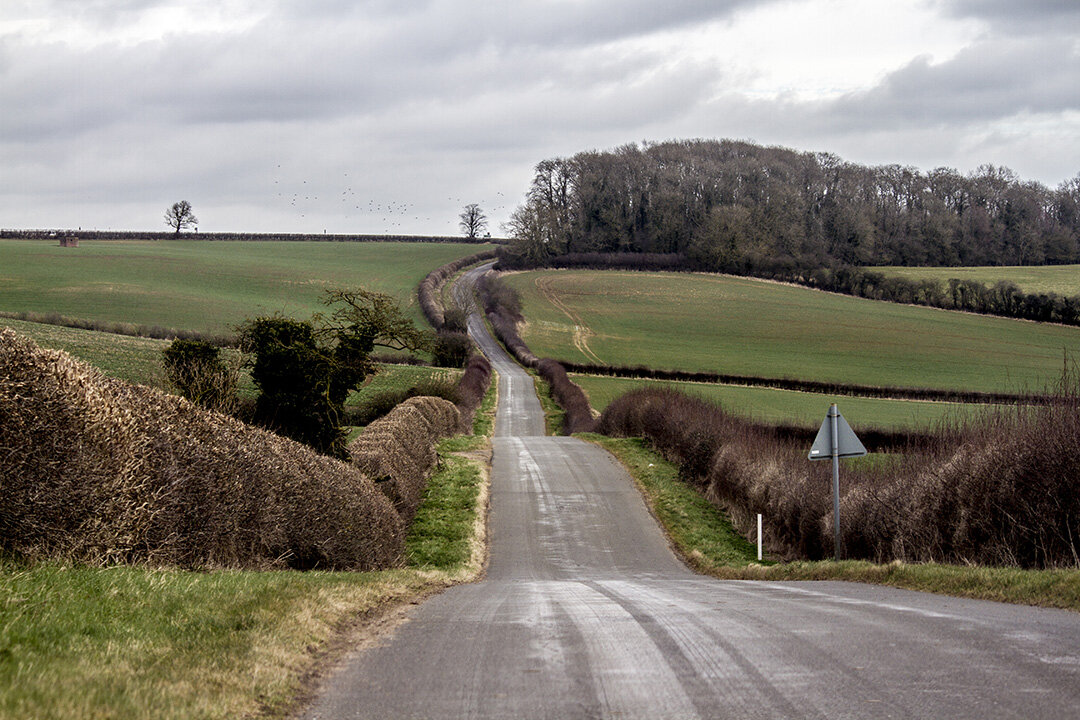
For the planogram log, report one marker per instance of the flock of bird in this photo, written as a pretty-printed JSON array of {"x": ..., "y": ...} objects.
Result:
[{"x": 394, "y": 216}]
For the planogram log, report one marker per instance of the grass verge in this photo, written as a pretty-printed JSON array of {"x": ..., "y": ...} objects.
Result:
[
  {"x": 173, "y": 644},
  {"x": 554, "y": 415},
  {"x": 705, "y": 539}
]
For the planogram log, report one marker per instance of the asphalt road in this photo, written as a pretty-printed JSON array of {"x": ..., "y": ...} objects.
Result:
[{"x": 586, "y": 613}]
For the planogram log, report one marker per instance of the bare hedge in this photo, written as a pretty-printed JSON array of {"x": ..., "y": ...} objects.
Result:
[
  {"x": 398, "y": 450},
  {"x": 471, "y": 390},
  {"x": 100, "y": 471},
  {"x": 1002, "y": 490},
  {"x": 430, "y": 302}
]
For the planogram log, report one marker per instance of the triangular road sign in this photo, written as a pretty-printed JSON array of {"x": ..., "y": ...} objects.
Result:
[{"x": 847, "y": 443}]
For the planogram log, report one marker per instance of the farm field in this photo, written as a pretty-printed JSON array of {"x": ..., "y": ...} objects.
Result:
[
  {"x": 207, "y": 286},
  {"x": 790, "y": 407},
  {"x": 133, "y": 359},
  {"x": 138, "y": 360},
  {"x": 740, "y": 326},
  {"x": 1060, "y": 279}
]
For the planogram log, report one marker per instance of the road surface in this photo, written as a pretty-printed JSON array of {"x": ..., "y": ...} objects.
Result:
[{"x": 586, "y": 613}]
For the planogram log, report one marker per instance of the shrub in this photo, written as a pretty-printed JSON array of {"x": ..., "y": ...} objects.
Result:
[
  {"x": 472, "y": 388},
  {"x": 196, "y": 370},
  {"x": 1002, "y": 490},
  {"x": 570, "y": 397},
  {"x": 100, "y": 471},
  {"x": 452, "y": 349},
  {"x": 302, "y": 386}
]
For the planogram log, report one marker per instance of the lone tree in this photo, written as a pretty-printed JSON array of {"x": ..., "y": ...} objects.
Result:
[
  {"x": 473, "y": 221},
  {"x": 180, "y": 216}
]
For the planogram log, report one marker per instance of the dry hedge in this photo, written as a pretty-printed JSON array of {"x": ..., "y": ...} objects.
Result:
[
  {"x": 1003, "y": 490},
  {"x": 100, "y": 471},
  {"x": 398, "y": 450},
  {"x": 471, "y": 390}
]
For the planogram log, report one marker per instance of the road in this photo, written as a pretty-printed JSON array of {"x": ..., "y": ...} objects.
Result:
[{"x": 584, "y": 612}]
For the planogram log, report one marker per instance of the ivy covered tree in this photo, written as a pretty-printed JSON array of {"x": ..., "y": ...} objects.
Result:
[{"x": 305, "y": 369}]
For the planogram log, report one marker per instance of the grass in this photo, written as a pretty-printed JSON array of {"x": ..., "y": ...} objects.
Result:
[
  {"x": 1060, "y": 279},
  {"x": 554, "y": 415},
  {"x": 705, "y": 539},
  {"x": 132, "y": 359},
  {"x": 132, "y": 642},
  {"x": 172, "y": 644},
  {"x": 771, "y": 406},
  {"x": 392, "y": 378},
  {"x": 206, "y": 286},
  {"x": 743, "y": 326}
]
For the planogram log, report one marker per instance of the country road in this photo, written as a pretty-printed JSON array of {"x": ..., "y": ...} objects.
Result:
[{"x": 585, "y": 612}]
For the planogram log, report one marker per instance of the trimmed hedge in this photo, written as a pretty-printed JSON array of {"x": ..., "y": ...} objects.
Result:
[
  {"x": 100, "y": 471},
  {"x": 398, "y": 450}
]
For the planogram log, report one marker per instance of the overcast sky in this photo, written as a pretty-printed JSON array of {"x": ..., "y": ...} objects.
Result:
[{"x": 389, "y": 115}]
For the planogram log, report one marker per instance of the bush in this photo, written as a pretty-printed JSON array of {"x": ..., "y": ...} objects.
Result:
[
  {"x": 195, "y": 369},
  {"x": 570, "y": 397},
  {"x": 303, "y": 386},
  {"x": 452, "y": 349},
  {"x": 1003, "y": 490},
  {"x": 471, "y": 389},
  {"x": 100, "y": 471}
]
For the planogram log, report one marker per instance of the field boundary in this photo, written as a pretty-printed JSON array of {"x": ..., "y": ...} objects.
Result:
[
  {"x": 56, "y": 234},
  {"x": 815, "y": 386}
]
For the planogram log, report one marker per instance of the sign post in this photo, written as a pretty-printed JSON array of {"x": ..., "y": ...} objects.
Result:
[{"x": 835, "y": 440}]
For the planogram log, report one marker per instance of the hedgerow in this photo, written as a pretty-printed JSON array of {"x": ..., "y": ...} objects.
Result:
[
  {"x": 398, "y": 451},
  {"x": 100, "y": 471},
  {"x": 1003, "y": 489}
]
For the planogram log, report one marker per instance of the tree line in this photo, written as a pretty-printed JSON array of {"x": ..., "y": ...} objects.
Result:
[{"x": 734, "y": 206}]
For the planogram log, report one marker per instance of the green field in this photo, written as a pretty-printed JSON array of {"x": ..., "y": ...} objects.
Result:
[
  {"x": 138, "y": 360},
  {"x": 789, "y": 407},
  {"x": 204, "y": 285},
  {"x": 741, "y": 326},
  {"x": 133, "y": 359},
  {"x": 1060, "y": 279}
]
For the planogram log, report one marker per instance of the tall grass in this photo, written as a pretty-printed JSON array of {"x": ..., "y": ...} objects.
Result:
[{"x": 1002, "y": 489}]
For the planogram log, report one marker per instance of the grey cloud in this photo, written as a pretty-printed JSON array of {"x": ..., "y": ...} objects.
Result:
[
  {"x": 1011, "y": 17},
  {"x": 987, "y": 81}
]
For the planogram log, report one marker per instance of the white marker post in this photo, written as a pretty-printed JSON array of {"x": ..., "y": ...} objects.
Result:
[
  {"x": 835, "y": 440},
  {"x": 759, "y": 537}
]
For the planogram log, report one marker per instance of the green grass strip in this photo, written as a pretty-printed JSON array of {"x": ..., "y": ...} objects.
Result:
[
  {"x": 703, "y": 536},
  {"x": 441, "y": 534}
]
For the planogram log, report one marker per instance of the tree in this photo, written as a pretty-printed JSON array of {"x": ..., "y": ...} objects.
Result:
[
  {"x": 473, "y": 221},
  {"x": 305, "y": 369},
  {"x": 180, "y": 216}
]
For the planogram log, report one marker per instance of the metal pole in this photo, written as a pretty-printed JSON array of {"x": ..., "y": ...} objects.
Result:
[{"x": 833, "y": 414}]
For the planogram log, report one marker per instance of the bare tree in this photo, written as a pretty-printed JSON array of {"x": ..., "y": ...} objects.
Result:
[
  {"x": 180, "y": 216},
  {"x": 473, "y": 221}
]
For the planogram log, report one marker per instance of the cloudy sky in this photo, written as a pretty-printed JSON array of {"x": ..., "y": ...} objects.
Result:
[{"x": 389, "y": 115}]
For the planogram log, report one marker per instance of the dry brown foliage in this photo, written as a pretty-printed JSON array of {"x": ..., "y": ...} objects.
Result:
[
  {"x": 398, "y": 450},
  {"x": 100, "y": 471},
  {"x": 1002, "y": 490}
]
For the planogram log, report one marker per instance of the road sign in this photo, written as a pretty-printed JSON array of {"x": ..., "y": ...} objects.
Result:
[
  {"x": 847, "y": 444},
  {"x": 835, "y": 440}
]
